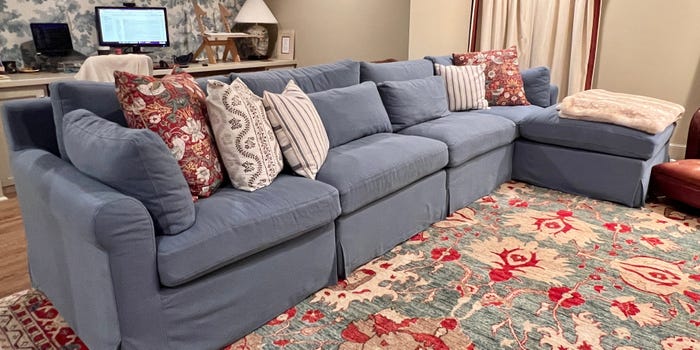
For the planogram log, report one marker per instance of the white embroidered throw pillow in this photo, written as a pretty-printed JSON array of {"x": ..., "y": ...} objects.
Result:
[
  {"x": 298, "y": 128},
  {"x": 246, "y": 142},
  {"x": 466, "y": 86}
]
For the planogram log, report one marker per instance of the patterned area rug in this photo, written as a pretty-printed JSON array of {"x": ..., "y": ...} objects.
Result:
[{"x": 524, "y": 268}]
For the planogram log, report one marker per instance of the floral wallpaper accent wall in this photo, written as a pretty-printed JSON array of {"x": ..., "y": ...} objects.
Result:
[{"x": 15, "y": 16}]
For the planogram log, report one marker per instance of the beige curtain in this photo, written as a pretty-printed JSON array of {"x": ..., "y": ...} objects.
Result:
[{"x": 553, "y": 33}]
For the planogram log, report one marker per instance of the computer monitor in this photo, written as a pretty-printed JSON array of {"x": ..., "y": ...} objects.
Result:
[
  {"x": 52, "y": 39},
  {"x": 134, "y": 27}
]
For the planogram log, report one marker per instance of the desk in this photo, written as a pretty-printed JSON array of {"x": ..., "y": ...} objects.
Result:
[{"x": 28, "y": 85}]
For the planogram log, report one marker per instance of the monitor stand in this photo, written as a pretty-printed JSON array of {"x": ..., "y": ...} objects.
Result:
[{"x": 138, "y": 50}]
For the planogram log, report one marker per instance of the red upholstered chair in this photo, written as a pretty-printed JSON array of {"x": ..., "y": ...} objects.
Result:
[{"x": 680, "y": 180}]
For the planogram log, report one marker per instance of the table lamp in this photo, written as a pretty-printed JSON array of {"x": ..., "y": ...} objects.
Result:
[{"x": 255, "y": 11}]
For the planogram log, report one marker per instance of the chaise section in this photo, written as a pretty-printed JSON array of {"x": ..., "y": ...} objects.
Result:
[
  {"x": 597, "y": 160},
  {"x": 232, "y": 225},
  {"x": 545, "y": 126}
]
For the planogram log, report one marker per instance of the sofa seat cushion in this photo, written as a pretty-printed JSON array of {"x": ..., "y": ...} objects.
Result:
[
  {"x": 545, "y": 126},
  {"x": 517, "y": 114},
  {"x": 372, "y": 167},
  {"x": 233, "y": 224},
  {"x": 467, "y": 134}
]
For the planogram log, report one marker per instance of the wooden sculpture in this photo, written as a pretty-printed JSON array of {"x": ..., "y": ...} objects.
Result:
[{"x": 211, "y": 39}]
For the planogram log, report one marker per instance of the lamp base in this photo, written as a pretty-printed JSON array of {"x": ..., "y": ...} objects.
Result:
[{"x": 261, "y": 41}]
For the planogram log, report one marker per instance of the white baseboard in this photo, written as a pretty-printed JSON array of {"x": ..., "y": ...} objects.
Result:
[{"x": 676, "y": 151}]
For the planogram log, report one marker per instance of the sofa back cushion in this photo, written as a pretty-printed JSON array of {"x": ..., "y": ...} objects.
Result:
[
  {"x": 402, "y": 70},
  {"x": 310, "y": 79},
  {"x": 97, "y": 97},
  {"x": 135, "y": 162},
  {"x": 410, "y": 102},
  {"x": 445, "y": 60},
  {"x": 351, "y": 112},
  {"x": 536, "y": 84}
]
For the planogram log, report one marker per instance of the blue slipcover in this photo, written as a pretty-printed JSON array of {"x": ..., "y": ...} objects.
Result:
[
  {"x": 393, "y": 71},
  {"x": 134, "y": 161},
  {"x": 467, "y": 134},
  {"x": 232, "y": 225},
  {"x": 410, "y": 102},
  {"x": 310, "y": 79},
  {"x": 351, "y": 112},
  {"x": 545, "y": 126},
  {"x": 372, "y": 167},
  {"x": 98, "y": 98},
  {"x": 598, "y": 175},
  {"x": 517, "y": 114}
]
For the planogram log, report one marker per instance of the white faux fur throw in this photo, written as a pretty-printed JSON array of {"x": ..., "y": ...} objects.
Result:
[{"x": 647, "y": 114}]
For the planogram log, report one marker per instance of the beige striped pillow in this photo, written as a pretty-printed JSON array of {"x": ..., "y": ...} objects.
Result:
[
  {"x": 466, "y": 86},
  {"x": 298, "y": 128}
]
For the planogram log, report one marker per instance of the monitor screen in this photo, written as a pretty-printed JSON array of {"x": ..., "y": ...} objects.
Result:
[
  {"x": 52, "y": 39},
  {"x": 132, "y": 26}
]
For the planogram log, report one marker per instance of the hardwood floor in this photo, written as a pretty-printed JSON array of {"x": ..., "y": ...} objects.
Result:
[{"x": 14, "y": 275}]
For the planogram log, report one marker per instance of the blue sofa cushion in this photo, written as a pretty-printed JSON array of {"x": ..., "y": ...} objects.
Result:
[
  {"x": 202, "y": 82},
  {"x": 233, "y": 224},
  {"x": 536, "y": 84},
  {"x": 402, "y": 70},
  {"x": 310, "y": 79},
  {"x": 443, "y": 60},
  {"x": 351, "y": 112},
  {"x": 517, "y": 114},
  {"x": 545, "y": 126},
  {"x": 135, "y": 162},
  {"x": 372, "y": 167},
  {"x": 99, "y": 98},
  {"x": 467, "y": 134},
  {"x": 410, "y": 102}
]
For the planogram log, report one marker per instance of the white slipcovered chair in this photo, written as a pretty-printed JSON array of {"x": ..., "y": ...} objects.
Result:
[{"x": 101, "y": 68}]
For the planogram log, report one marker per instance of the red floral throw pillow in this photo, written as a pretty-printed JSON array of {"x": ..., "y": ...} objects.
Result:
[
  {"x": 504, "y": 84},
  {"x": 174, "y": 107}
]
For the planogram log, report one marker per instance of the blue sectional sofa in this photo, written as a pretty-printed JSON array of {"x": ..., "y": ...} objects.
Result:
[{"x": 120, "y": 283}]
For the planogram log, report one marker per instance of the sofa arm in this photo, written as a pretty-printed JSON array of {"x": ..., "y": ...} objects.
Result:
[
  {"x": 91, "y": 250},
  {"x": 29, "y": 124},
  {"x": 553, "y": 94}
]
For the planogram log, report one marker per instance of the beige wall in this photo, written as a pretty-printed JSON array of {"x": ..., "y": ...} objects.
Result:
[
  {"x": 438, "y": 27},
  {"x": 329, "y": 30},
  {"x": 652, "y": 48}
]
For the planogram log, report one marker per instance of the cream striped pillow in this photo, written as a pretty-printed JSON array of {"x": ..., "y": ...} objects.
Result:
[
  {"x": 466, "y": 86},
  {"x": 298, "y": 128}
]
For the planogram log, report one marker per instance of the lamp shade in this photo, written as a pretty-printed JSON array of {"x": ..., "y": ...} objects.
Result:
[{"x": 255, "y": 11}]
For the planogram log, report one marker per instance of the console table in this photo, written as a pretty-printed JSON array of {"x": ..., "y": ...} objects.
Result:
[{"x": 28, "y": 85}]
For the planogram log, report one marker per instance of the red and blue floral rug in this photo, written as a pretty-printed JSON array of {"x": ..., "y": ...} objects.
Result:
[{"x": 524, "y": 268}]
